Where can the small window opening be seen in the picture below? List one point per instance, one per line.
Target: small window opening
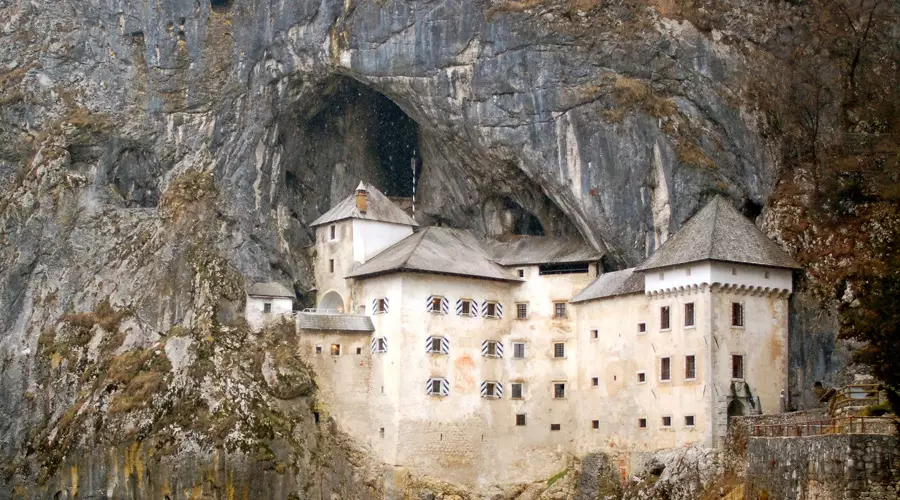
(595, 334)
(436, 304)
(521, 273)
(571, 268)
(359, 350)
(465, 307)
(491, 310)
(519, 350)
(766, 275)
(559, 350)
(380, 306)
(335, 349)
(689, 314)
(734, 271)
(332, 232)
(667, 421)
(521, 311)
(737, 366)
(687, 272)
(665, 369)
(595, 381)
(642, 423)
(381, 432)
(316, 416)
(559, 390)
(555, 427)
(642, 327)
(664, 323)
(595, 424)
(517, 390)
(520, 419)
(559, 310)
(267, 307)
(690, 367)
(331, 265)
(689, 420)
(641, 377)
(737, 314)
(662, 276)
(491, 348)
(318, 349)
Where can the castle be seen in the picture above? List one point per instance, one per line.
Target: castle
(484, 362)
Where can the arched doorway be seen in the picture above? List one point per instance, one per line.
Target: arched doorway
(331, 302)
(735, 408)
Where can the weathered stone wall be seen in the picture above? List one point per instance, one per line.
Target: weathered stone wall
(823, 467)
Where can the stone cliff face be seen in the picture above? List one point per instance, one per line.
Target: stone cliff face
(155, 155)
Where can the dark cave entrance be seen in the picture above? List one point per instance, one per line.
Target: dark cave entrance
(396, 145)
(504, 216)
(220, 5)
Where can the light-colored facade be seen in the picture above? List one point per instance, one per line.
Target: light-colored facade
(267, 302)
(481, 373)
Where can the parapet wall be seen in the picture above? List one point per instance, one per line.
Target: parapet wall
(823, 467)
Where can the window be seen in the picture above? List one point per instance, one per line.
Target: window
(318, 349)
(595, 381)
(332, 232)
(664, 323)
(667, 421)
(335, 349)
(665, 369)
(465, 307)
(359, 350)
(687, 272)
(437, 345)
(595, 334)
(642, 423)
(737, 366)
(492, 349)
(641, 377)
(492, 310)
(521, 311)
(379, 344)
(559, 350)
(559, 390)
(737, 314)
(437, 386)
(518, 389)
(491, 389)
(555, 427)
(689, 420)
(437, 305)
(559, 310)
(331, 265)
(595, 424)
(734, 271)
(267, 307)
(690, 367)
(521, 273)
(520, 419)
(568, 268)
(662, 276)
(689, 314)
(519, 350)
(380, 306)
(766, 274)
(642, 327)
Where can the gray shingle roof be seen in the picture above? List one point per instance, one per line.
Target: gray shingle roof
(435, 250)
(269, 290)
(530, 250)
(719, 232)
(612, 284)
(342, 322)
(378, 208)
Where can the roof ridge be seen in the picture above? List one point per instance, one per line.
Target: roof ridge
(413, 249)
(715, 218)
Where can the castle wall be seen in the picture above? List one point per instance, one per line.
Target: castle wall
(709, 273)
(340, 250)
(371, 237)
(256, 316)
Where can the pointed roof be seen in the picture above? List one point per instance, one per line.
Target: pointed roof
(435, 250)
(719, 232)
(378, 208)
(612, 284)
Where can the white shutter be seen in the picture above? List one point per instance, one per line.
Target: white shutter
(445, 345)
(383, 344)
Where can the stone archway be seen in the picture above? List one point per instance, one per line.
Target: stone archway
(736, 408)
(331, 302)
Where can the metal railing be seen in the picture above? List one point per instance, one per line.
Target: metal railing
(316, 310)
(886, 426)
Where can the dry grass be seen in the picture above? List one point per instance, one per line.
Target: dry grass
(189, 189)
(137, 376)
(631, 92)
(691, 154)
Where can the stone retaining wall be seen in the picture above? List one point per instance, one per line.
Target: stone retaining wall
(823, 467)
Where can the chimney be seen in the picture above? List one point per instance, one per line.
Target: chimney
(362, 198)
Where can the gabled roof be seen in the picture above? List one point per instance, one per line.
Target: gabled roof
(612, 284)
(435, 250)
(269, 290)
(341, 322)
(719, 232)
(531, 250)
(378, 208)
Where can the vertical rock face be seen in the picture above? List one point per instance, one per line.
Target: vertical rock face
(153, 155)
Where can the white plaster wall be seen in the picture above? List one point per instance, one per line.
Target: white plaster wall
(708, 272)
(340, 250)
(371, 237)
(257, 319)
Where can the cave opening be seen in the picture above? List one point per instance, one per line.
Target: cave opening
(504, 216)
(220, 5)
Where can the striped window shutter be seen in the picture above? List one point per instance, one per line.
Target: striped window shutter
(445, 345)
(444, 349)
(473, 307)
(386, 305)
(484, 308)
(374, 306)
(445, 306)
(428, 344)
(374, 344)
(429, 306)
(498, 390)
(445, 387)
(499, 310)
(379, 344)
(500, 349)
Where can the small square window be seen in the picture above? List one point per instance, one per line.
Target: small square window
(664, 323)
(555, 427)
(689, 314)
(595, 381)
(690, 367)
(667, 421)
(436, 304)
(491, 310)
(380, 344)
(642, 327)
(519, 350)
(381, 431)
(665, 369)
(737, 314)
(641, 377)
(559, 390)
(318, 349)
(595, 424)
(267, 307)
(559, 310)
(521, 311)
(465, 308)
(689, 420)
(766, 275)
(642, 423)
(595, 334)
(737, 366)
(517, 390)
(359, 350)
(335, 349)
(559, 350)
(520, 419)
(333, 232)
(436, 386)
(490, 390)
(521, 273)
(381, 306)
(331, 265)
(490, 349)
